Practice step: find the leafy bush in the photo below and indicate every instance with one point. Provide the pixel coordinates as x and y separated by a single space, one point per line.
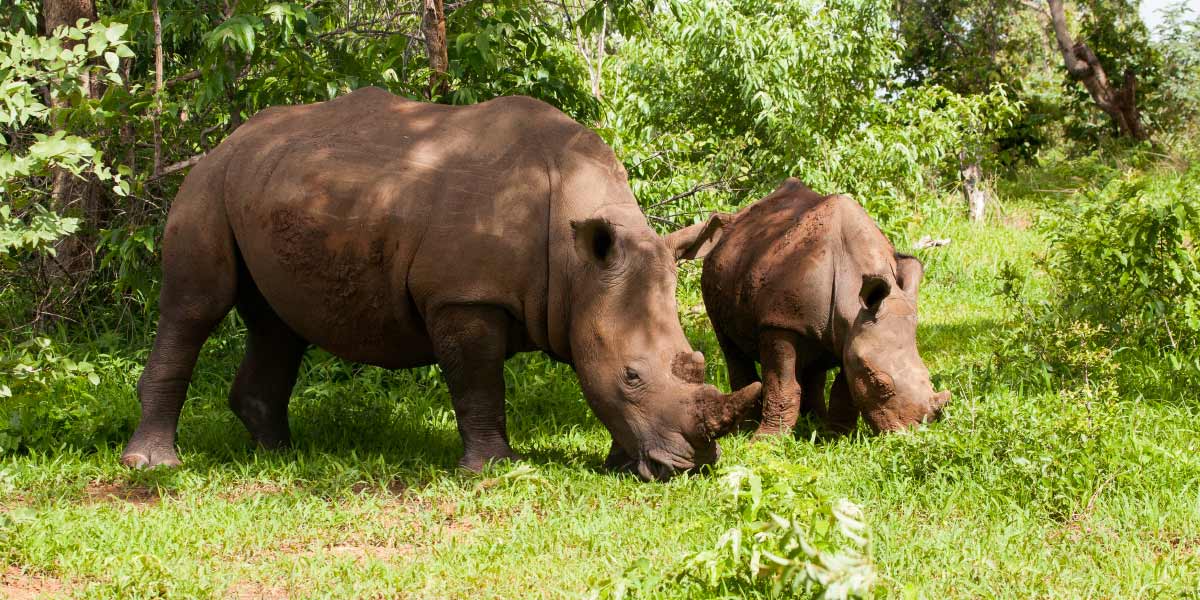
63 65
1125 271
49 400
1126 257
785 539
1179 44
498 50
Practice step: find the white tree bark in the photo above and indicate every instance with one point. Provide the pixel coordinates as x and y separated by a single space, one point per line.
974 193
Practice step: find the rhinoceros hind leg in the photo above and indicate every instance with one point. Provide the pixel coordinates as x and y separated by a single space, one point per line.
471 343
812 391
199 282
781 398
264 381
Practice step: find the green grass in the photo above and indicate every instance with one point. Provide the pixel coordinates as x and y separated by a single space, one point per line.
1023 490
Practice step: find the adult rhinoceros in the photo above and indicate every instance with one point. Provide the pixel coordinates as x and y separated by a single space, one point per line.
399 234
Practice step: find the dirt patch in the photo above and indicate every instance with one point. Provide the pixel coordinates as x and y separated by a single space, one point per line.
15 584
362 552
394 488
254 488
137 495
252 590
1018 221
1179 544
14 502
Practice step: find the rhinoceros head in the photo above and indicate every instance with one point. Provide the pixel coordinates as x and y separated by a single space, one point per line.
888 381
637 370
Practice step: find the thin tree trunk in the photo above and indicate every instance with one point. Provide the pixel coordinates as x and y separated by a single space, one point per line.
71 194
158 86
433 26
1083 66
598 71
974 194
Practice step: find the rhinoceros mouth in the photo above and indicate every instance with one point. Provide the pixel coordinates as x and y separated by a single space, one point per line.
660 464
652 470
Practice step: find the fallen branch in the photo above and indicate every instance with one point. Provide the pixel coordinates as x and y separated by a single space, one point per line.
929 242
189 76
175 167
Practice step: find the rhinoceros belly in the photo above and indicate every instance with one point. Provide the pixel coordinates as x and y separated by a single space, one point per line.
334 267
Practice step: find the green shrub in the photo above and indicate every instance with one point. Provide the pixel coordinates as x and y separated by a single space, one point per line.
1125 257
1125 273
785 539
745 94
49 400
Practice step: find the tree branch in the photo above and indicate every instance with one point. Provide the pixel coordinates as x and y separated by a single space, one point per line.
179 166
696 189
156 117
189 76
1035 5
1084 66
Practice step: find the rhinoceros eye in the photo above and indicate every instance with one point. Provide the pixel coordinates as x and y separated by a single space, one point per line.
632 377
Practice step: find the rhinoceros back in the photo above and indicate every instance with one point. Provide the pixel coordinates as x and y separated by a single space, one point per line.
784 264
358 216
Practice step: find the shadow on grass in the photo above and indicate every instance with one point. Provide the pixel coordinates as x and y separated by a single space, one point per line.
352 423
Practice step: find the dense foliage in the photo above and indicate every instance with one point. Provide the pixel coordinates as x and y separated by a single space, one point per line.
744 94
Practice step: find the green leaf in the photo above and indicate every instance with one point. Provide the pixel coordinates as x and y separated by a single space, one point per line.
115 31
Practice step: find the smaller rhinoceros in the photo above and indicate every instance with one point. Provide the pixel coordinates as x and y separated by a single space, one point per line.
804 283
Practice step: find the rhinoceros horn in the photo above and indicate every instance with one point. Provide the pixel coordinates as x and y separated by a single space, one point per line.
722 412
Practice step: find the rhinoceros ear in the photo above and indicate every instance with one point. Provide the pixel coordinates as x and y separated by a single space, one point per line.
909 271
696 241
595 240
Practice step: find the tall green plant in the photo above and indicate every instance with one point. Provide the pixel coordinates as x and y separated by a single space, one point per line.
785 538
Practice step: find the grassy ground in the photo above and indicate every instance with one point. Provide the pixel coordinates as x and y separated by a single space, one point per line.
1023 490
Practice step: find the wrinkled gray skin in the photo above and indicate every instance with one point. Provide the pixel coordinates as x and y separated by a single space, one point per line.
401 234
804 283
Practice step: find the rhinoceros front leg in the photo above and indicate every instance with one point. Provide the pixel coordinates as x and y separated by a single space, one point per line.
471 345
742 372
618 459
842 415
781 398
740 366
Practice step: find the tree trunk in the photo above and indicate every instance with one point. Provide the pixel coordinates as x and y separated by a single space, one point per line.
433 26
975 195
1083 66
71 194
158 85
